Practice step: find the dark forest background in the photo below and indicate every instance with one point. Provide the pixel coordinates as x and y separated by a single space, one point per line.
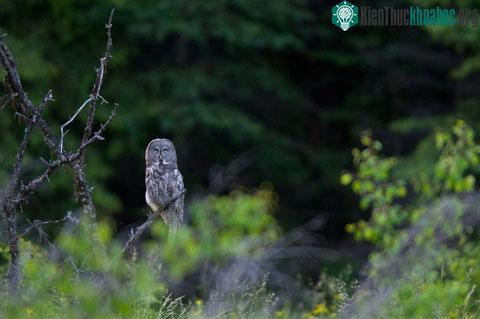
264 91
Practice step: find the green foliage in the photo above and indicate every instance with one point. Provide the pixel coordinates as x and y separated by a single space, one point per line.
425 252
86 274
459 154
381 191
221 228
92 279
372 182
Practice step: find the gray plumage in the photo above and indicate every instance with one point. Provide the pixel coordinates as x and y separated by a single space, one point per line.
164 183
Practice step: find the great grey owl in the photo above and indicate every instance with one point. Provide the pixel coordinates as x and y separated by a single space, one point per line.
164 183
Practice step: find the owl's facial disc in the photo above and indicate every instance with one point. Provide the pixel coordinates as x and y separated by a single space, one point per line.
160 151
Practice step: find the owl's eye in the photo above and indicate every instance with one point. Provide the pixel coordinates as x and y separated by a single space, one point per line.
164 150
157 150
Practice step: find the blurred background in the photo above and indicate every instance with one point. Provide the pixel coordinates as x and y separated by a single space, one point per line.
251 92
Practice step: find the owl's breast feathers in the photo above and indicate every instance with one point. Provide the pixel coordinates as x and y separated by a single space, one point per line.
162 185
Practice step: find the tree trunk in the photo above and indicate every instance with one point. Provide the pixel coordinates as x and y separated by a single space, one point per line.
83 193
14 271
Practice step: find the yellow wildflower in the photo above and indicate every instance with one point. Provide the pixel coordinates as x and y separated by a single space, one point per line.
29 311
320 309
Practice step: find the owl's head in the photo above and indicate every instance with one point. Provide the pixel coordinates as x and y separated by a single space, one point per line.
161 151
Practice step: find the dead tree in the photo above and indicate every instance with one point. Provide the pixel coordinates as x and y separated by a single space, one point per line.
17 193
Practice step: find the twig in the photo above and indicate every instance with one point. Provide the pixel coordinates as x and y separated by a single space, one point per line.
33 185
4 100
36 224
97 136
48 97
102 69
72 118
15 175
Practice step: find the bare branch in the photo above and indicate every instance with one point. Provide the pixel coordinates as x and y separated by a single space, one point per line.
135 235
72 118
27 107
140 230
48 97
37 224
102 69
8 63
15 175
82 190
97 136
52 166
33 185
5 100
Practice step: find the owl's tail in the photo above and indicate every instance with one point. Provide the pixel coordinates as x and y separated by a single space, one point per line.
172 221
